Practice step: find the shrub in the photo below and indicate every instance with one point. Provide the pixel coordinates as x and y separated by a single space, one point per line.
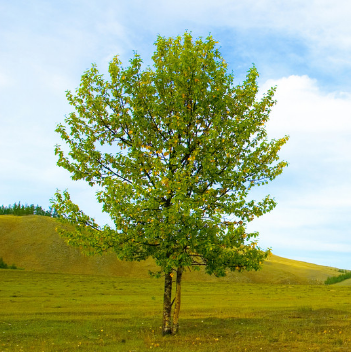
3 265
335 279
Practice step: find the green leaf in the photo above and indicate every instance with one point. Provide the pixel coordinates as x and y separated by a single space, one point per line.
175 149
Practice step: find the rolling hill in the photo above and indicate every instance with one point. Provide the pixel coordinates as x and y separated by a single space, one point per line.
31 242
343 283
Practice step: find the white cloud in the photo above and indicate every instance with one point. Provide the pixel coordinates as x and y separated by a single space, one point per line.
324 21
309 33
314 192
303 107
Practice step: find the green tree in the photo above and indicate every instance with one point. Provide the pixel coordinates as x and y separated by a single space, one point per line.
175 150
22 210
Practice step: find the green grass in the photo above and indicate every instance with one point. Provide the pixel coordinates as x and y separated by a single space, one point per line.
65 312
70 309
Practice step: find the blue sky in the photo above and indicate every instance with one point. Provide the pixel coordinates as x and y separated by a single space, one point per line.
303 47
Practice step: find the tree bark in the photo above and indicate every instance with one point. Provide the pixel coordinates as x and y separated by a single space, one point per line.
175 326
167 306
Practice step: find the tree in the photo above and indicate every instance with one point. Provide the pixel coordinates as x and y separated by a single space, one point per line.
175 150
22 210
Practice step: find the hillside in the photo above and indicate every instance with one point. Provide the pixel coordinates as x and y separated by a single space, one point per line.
343 283
32 243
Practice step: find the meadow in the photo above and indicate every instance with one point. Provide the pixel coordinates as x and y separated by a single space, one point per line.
70 312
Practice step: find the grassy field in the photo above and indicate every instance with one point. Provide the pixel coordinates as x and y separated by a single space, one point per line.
67 312
57 304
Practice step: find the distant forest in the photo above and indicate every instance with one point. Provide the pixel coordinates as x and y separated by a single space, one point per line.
22 210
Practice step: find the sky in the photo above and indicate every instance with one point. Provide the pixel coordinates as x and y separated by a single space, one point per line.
302 47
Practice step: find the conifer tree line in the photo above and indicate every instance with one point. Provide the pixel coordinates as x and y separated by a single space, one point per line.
22 210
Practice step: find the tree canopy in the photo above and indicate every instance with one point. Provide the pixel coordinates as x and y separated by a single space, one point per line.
174 149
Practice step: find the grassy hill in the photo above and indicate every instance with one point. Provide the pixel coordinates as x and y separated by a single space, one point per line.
343 283
32 243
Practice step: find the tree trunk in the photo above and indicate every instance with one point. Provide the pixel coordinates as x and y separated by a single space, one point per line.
167 305
175 326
